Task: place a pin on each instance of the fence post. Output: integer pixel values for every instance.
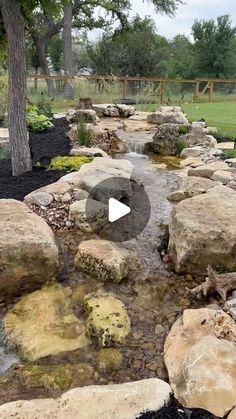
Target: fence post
(211, 90)
(196, 91)
(162, 92)
(125, 89)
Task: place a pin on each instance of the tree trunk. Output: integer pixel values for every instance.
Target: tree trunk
(41, 47)
(67, 50)
(19, 142)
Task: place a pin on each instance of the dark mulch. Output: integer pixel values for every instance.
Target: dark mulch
(175, 411)
(50, 143)
(44, 146)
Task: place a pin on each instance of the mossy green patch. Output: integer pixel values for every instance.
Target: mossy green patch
(69, 163)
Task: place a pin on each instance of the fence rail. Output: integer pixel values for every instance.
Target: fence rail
(133, 89)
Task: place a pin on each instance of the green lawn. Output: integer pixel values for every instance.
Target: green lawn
(221, 115)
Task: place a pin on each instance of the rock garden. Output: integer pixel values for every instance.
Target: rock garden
(138, 329)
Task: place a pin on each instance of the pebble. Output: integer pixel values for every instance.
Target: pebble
(159, 330)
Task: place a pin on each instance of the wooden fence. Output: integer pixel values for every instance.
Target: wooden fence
(136, 89)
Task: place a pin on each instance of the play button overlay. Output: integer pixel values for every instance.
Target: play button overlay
(125, 209)
(117, 210)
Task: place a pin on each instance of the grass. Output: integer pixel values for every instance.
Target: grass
(218, 114)
(230, 154)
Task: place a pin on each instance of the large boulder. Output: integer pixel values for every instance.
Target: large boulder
(168, 115)
(101, 169)
(203, 231)
(108, 140)
(105, 109)
(108, 321)
(87, 115)
(105, 260)
(191, 186)
(207, 170)
(43, 323)
(28, 252)
(87, 152)
(88, 218)
(171, 138)
(116, 401)
(200, 356)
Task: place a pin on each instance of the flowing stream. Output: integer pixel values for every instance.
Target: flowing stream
(154, 297)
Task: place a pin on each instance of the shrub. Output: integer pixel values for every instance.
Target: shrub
(180, 145)
(183, 129)
(44, 106)
(83, 135)
(35, 121)
(3, 94)
(69, 163)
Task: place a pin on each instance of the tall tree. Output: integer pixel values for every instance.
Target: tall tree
(19, 144)
(67, 48)
(13, 13)
(213, 49)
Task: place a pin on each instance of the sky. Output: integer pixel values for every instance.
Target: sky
(185, 15)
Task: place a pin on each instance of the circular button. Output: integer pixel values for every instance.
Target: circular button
(124, 209)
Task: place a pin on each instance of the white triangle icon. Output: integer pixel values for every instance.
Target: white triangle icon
(117, 210)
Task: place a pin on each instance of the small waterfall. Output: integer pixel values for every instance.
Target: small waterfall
(136, 147)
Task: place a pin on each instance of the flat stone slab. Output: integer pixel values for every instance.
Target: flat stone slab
(4, 134)
(226, 146)
(116, 401)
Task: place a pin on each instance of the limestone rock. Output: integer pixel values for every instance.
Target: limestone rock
(28, 252)
(230, 307)
(139, 116)
(108, 359)
(223, 177)
(108, 321)
(106, 110)
(190, 161)
(203, 231)
(208, 170)
(125, 111)
(38, 198)
(168, 115)
(105, 260)
(87, 152)
(102, 168)
(108, 140)
(191, 186)
(170, 139)
(231, 162)
(200, 354)
(43, 323)
(88, 115)
(232, 414)
(57, 190)
(88, 218)
(80, 195)
(117, 401)
(191, 152)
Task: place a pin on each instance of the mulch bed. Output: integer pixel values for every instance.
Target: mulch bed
(44, 146)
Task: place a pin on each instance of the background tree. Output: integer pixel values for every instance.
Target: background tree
(135, 50)
(214, 47)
